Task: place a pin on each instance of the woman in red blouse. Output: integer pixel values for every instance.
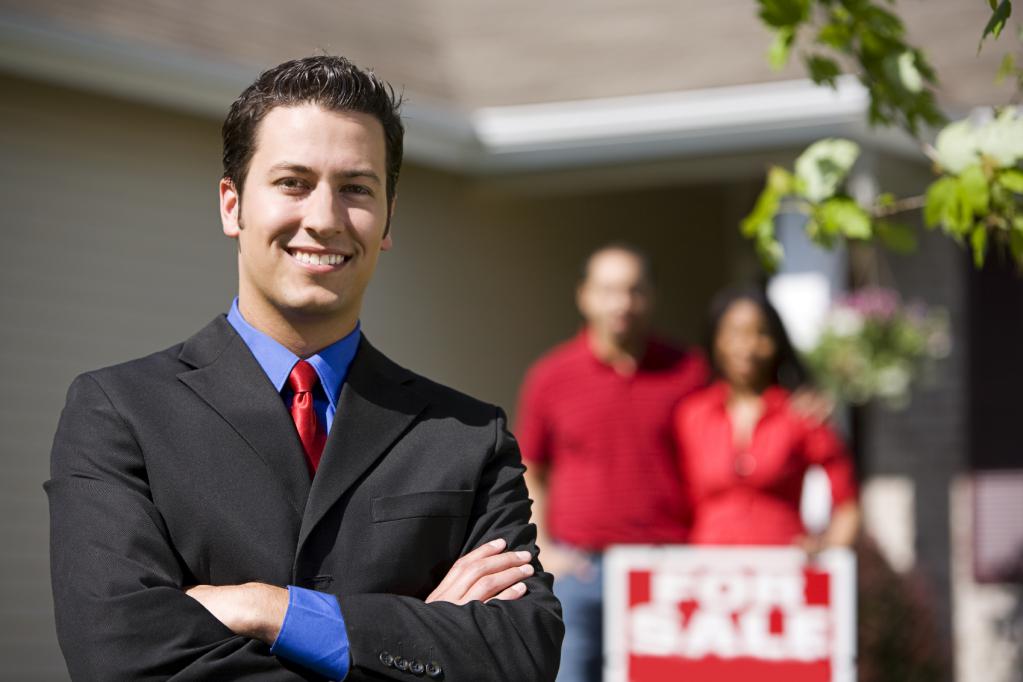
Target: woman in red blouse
(744, 449)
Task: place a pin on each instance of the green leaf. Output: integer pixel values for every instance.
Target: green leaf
(761, 218)
(885, 200)
(1016, 245)
(823, 71)
(770, 252)
(778, 54)
(909, 75)
(835, 35)
(759, 224)
(1006, 68)
(995, 25)
(1011, 180)
(978, 240)
(782, 13)
(956, 202)
(780, 180)
(822, 167)
(940, 196)
(840, 215)
(974, 190)
(896, 236)
(925, 69)
(884, 27)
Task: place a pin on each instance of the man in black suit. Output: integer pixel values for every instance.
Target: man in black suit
(273, 499)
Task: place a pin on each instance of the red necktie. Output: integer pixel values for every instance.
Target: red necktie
(303, 381)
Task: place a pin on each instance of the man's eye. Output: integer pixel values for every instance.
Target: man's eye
(290, 183)
(357, 189)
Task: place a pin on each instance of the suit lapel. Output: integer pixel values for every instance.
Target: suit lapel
(375, 408)
(229, 379)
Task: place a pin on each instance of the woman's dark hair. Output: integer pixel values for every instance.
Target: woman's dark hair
(787, 370)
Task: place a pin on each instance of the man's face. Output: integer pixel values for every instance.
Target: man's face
(616, 299)
(311, 217)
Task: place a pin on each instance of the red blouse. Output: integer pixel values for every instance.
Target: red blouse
(751, 496)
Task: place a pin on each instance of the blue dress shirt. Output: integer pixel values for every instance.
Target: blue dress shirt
(313, 633)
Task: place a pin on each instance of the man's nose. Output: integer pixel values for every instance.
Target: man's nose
(325, 211)
(619, 305)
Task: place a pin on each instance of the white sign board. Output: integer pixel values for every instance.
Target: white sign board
(719, 614)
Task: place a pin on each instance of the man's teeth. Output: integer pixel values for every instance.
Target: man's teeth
(319, 259)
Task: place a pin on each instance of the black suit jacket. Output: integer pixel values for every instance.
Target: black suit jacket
(184, 467)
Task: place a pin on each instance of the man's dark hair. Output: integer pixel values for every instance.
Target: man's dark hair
(331, 82)
(639, 254)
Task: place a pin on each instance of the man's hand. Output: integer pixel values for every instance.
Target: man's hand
(257, 610)
(483, 574)
(251, 610)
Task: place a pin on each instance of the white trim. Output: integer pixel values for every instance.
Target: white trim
(688, 114)
(520, 138)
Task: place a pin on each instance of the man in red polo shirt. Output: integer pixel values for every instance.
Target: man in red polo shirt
(594, 426)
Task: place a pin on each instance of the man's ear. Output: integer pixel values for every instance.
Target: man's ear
(230, 208)
(388, 241)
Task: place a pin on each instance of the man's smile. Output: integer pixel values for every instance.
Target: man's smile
(320, 260)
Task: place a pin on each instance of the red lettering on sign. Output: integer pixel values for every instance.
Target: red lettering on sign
(817, 588)
(639, 587)
(687, 608)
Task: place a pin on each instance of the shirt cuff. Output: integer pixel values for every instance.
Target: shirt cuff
(313, 633)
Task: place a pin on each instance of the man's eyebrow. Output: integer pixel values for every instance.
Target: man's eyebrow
(359, 173)
(293, 167)
(306, 170)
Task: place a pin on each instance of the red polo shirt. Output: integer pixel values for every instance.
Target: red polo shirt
(751, 495)
(607, 438)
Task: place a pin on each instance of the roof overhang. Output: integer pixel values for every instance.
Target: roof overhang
(517, 139)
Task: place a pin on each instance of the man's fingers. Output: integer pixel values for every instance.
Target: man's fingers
(513, 592)
(483, 574)
(493, 584)
(463, 564)
(471, 573)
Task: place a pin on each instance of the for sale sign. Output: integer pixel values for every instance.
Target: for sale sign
(721, 614)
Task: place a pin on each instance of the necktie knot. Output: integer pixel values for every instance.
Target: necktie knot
(311, 432)
(303, 378)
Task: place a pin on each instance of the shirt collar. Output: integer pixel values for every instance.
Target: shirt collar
(584, 338)
(331, 363)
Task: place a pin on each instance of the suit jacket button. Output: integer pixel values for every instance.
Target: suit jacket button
(417, 668)
(386, 658)
(434, 670)
(401, 664)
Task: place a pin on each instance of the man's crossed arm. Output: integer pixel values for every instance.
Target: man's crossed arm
(122, 611)
(257, 610)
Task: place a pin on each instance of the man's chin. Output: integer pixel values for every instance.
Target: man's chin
(626, 335)
(320, 306)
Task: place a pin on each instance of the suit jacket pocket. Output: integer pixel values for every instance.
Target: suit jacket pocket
(443, 503)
